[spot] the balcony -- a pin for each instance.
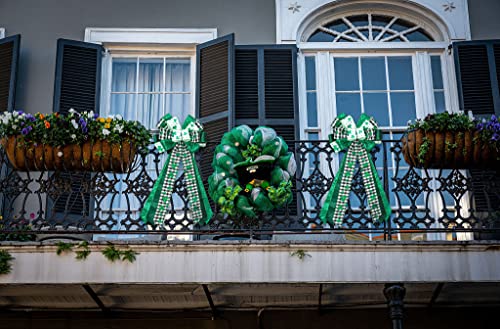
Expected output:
(427, 204)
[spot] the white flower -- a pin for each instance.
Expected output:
(105, 132)
(119, 128)
(73, 136)
(72, 111)
(59, 154)
(118, 117)
(91, 114)
(75, 125)
(14, 127)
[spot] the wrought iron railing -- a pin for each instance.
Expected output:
(445, 203)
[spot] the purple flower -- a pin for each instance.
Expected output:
(85, 130)
(495, 137)
(96, 115)
(20, 112)
(25, 131)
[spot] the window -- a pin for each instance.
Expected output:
(146, 73)
(386, 65)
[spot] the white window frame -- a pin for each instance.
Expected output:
(147, 42)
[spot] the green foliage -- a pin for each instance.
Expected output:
(73, 128)
(129, 255)
(300, 254)
(63, 247)
(445, 121)
(84, 251)
(112, 254)
(5, 262)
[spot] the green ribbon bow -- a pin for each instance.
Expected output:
(358, 139)
(181, 141)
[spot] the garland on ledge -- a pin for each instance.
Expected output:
(357, 140)
(253, 172)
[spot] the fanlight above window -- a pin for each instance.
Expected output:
(369, 28)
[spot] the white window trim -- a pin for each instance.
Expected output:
(147, 42)
(150, 35)
(2, 33)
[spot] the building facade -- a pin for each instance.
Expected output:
(291, 65)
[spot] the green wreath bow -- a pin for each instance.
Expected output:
(182, 142)
(358, 139)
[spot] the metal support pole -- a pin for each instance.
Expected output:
(395, 293)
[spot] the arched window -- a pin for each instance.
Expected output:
(369, 27)
(391, 62)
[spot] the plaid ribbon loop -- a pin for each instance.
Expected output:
(358, 140)
(181, 141)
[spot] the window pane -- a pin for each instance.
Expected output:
(376, 106)
(418, 35)
(338, 25)
(124, 104)
(177, 75)
(320, 36)
(400, 73)
(312, 110)
(349, 104)
(149, 109)
(346, 74)
(310, 73)
(373, 69)
(124, 74)
(440, 102)
(437, 75)
(150, 75)
(178, 105)
(403, 108)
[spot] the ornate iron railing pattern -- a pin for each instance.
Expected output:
(422, 200)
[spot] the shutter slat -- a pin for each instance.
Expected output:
(78, 72)
(474, 78)
(77, 86)
(9, 58)
(246, 84)
(478, 89)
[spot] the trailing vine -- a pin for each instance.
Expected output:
(5, 262)
(111, 253)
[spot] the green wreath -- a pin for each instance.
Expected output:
(253, 172)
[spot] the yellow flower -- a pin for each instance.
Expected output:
(108, 120)
(102, 120)
(107, 126)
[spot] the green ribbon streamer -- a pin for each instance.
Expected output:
(181, 142)
(358, 139)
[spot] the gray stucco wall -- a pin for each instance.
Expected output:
(41, 23)
(484, 19)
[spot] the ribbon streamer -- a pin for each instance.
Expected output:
(182, 142)
(358, 139)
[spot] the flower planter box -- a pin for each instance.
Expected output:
(97, 156)
(450, 150)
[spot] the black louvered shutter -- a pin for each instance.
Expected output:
(266, 91)
(78, 76)
(478, 72)
(9, 58)
(215, 93)
(266, 88)
(77, 86)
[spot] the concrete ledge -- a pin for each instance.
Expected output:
(263, 261)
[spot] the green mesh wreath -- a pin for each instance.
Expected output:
(253, 172)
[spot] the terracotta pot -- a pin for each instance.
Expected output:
(451, 150)
(98, 156)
